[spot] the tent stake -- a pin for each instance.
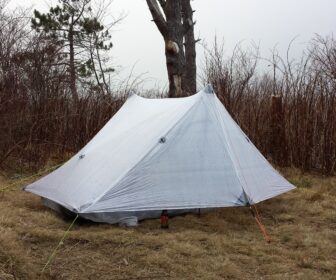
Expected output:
(262, 228)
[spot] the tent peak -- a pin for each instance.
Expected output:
(208, 89)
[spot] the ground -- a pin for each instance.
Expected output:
(222, 244)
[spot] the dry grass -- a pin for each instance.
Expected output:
(223, 244)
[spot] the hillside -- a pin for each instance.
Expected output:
(223, 244)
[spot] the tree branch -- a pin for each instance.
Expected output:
(158, 17)
(163, 4)
(81, 12)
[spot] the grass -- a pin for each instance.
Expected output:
(222, 244)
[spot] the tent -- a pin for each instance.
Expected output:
(177, 154)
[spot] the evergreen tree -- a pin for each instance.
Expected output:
(81, 36)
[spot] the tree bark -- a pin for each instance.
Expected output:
(173, 18)
(174, 47)
(189, 78)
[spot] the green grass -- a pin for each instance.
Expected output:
(301, 182)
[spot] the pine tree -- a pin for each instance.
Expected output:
(82, 38)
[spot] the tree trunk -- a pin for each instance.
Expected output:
(72, 68)
(174, 21)
(189, 78)
(174, 47)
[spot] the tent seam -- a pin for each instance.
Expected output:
(137, 163)
(228, 141)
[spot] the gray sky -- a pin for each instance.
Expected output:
(138, 44)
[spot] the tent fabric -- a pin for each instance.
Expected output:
(163, 154)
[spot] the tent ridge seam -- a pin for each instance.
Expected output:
(232, 157)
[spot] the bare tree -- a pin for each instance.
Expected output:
(174, 19)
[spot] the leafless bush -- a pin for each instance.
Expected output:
(289, 112)
(305, 133)
(37, 117)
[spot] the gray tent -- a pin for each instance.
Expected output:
(163, 154)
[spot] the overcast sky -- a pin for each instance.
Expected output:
(138, 44)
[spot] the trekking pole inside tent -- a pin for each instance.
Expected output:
(257, 217)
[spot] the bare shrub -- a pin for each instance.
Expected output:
(37, 117)
(307, 90)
